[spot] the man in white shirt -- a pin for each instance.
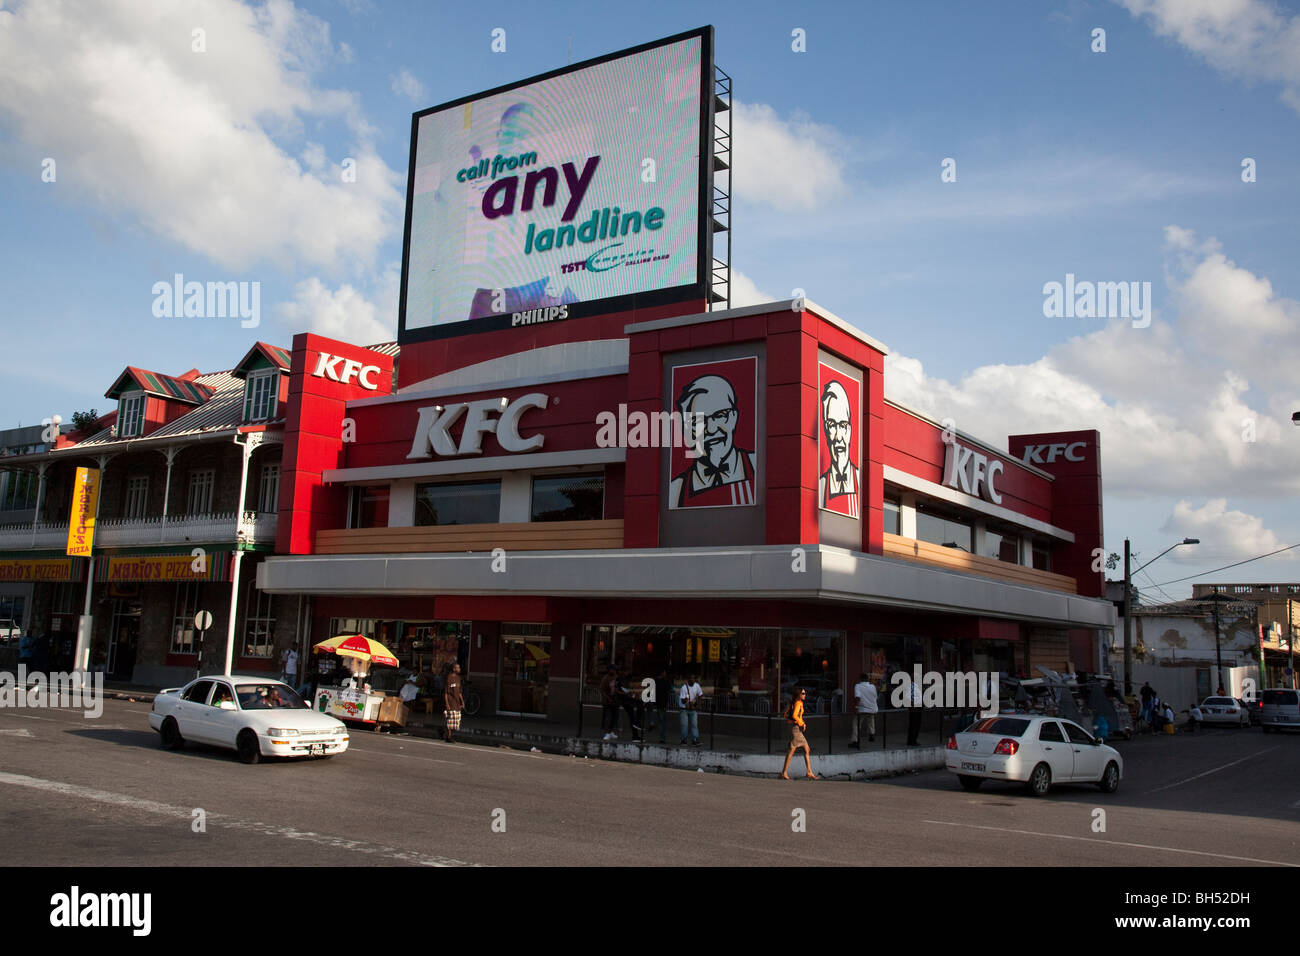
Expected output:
(689, 698)
(864, 693)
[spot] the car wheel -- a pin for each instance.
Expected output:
(970, 783)
(1109, 782)
(171, 735)
(247, 746)
(1040, 781)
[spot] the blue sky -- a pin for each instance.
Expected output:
(1123, 165)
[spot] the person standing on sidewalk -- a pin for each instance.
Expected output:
(659, 712)
(453, 702)
(798, 736)
(690, 699)
(609, 703)
(864, 693)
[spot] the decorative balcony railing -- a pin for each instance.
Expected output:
(253, 527)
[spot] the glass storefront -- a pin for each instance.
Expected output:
(525, 668)
(743, 670)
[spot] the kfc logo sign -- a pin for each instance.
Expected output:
(338, 369)
(433, 430)
(967, 470)
(1034, 453)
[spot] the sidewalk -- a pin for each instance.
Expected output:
(724, 753)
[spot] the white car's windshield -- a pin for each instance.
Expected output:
(269, 696)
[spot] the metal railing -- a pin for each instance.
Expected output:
(253, 527)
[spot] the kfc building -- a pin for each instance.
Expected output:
(533, 502)
(586, 459)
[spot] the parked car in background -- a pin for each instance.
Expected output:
(253, 716)
(1036, 751)
(1224, 710)
(1281, 709)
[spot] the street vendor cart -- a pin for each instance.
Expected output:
(339, 686)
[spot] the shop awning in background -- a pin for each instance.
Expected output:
(43, 569)
(214, 566)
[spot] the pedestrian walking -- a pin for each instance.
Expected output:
(609, 703)
(453, 702)
(629, 702)
(913, 713)
(689, 699)
(798, 738)
(864, 694)
(289, 666)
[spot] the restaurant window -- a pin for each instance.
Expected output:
(1042, 556)
(369, 507)
(569, 498)
(260, 395)
(259, 623)
(1004, 546)
(812, 659)
(11, 609)
(19, 490)
(137, 497)
(942, 527)
(893, 517)
(736, 667)
(886, 654)
(474, 502)
(67, 598)
(201, 486)
(268, 490)
(130, 416)
(184, 636)
(431, 647)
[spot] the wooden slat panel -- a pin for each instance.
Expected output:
(896, 546)
(515, 536)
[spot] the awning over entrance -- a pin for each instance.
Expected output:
(819, 573)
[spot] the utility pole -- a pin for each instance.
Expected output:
(1218, 656)
(1290, 642)
(1128, 628)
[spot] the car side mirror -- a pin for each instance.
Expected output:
(227, 705)
(1096, 742)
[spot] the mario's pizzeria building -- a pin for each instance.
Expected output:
(722, 493)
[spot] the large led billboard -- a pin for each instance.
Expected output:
(581, 191)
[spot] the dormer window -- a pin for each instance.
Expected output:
(261, 392)
(130, 415)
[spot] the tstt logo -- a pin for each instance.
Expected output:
(338, 369)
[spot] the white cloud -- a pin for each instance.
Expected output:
(406, 84)
(790, 164)
(744, 292)
(1224, 535)
(1250, 39)
(1174, 418)
(343, 313)
(200, 146)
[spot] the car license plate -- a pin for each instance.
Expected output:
(316, 749)
(972, 766)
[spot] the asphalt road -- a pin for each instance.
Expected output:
(75, 792)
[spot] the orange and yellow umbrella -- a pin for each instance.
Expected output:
(359, 646)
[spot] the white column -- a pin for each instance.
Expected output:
(40, 497)
(170, 453)
(907, 515)
(251, 441)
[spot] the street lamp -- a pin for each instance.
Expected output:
(1128, 617)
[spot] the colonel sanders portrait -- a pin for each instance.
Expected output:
(722, 474)
(837, 490)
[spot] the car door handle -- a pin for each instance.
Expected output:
(1047, 748)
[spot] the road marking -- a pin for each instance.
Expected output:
(20, 732)
(228, 822)
(27, 716)
(1140, 846)
(1208, 772)
(380, 753)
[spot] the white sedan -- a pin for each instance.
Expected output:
(1224, 710)
(254, 716)
(1037, 751)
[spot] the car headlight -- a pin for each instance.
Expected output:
(283, 732)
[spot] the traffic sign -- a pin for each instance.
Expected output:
(203, 620)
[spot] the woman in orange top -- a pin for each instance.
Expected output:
(797, 738)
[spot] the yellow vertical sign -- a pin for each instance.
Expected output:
(81, 523)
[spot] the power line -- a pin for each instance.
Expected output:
(1227, 566)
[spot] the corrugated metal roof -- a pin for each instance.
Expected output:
(155, 383)
(224, 411)
(386, 348)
